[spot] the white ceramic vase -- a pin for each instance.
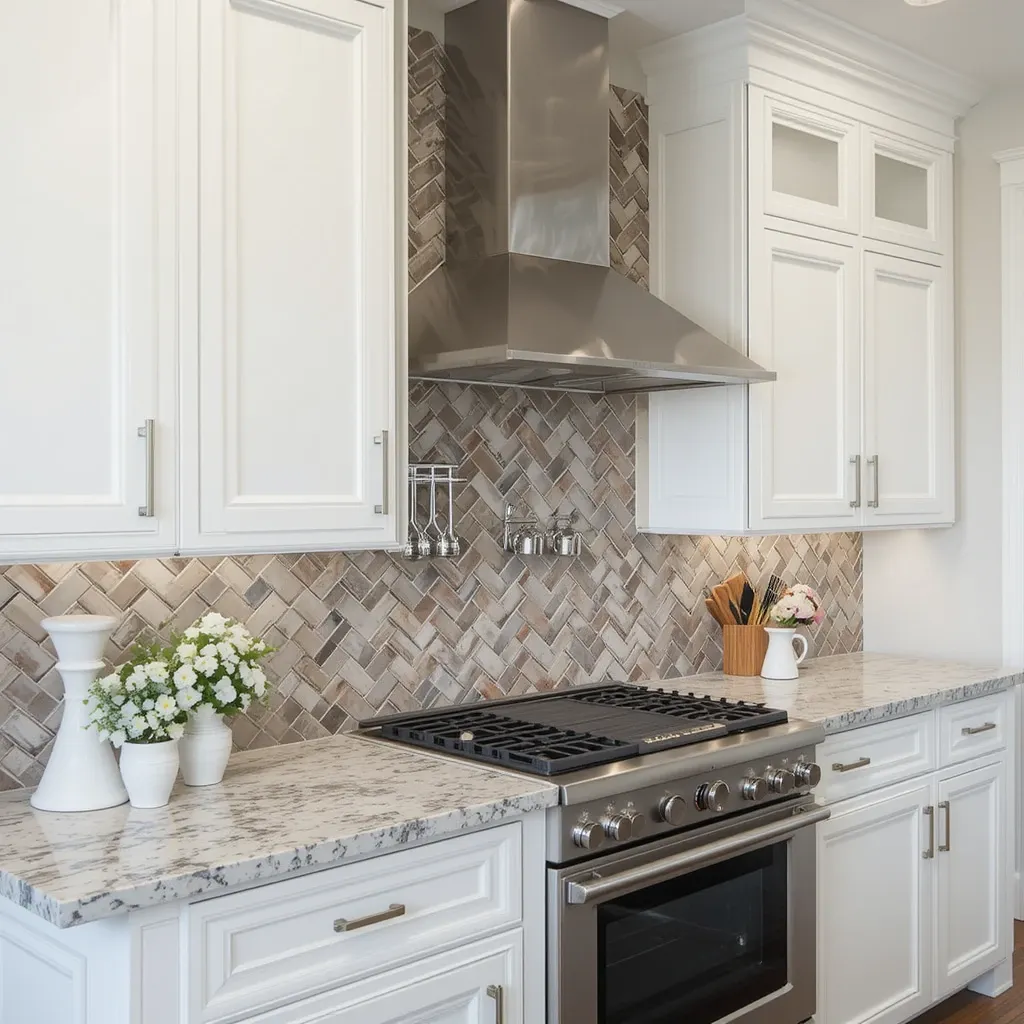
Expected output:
(782, 661)
(149, 771)
(205, 748)
(81, 774)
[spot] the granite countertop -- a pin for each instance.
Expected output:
(851, 690)
(278, 811)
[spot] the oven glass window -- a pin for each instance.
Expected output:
(696, 948)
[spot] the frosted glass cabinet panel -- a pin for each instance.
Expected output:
(904, 188)
(810, 163)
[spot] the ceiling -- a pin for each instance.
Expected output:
(981, 38)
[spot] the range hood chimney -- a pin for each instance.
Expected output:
(526, 296)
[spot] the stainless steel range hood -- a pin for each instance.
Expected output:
(526, 296)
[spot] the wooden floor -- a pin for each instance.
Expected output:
(968, 1008)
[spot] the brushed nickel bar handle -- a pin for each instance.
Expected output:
(873, 463)
(579, 893)
(345, 925)
(497, 993)
(838, 766)
(855, 461)
(944, 805)
(973, 730)
(382, 508)
(929, 813)
(148, 431)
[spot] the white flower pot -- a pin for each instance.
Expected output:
(781, 661)
(205, 748)
(81, 774)
(149, 771)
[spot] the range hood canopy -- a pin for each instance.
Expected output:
(526, 296)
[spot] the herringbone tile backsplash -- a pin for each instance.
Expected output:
(370, 633)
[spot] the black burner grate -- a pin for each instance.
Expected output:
(736, 716)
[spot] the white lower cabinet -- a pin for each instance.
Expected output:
(914, 879)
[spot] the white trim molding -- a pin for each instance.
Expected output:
(1011, 173)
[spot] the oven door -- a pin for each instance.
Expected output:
(708, 926)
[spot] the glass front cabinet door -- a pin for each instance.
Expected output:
(810, 165)
(905, 187)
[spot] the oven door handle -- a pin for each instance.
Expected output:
(659, 870)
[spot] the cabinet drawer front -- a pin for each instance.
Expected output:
(253, 950)
(877, 755)
(973, 728)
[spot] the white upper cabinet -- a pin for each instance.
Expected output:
(907, 192)
(289, 390)
(908, 407)
(805, 426)
(810, 162)
(201, 320)
(813, 175)
(87, 251)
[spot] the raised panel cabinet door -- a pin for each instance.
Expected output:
(803, 163)
(908, 393)
(974, 906)
(875, 907)
(805, 426)
(477, 984)
(87, 275)
(907, 192)
(290, 387)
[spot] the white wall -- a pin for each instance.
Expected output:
(937, 592)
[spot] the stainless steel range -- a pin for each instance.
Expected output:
(681, 857)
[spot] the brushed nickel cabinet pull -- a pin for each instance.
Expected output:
(973, 730)
(873, 463)
(148, 431)
(855, 461)
(838, 766)
(345, 925)
(944, 847)
(382, 508)
(929, 813)
(497, 993)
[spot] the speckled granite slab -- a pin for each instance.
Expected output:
(278, 811)
(852, 690)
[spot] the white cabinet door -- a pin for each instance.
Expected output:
(973, 904)
(908, 393)
(907, 192)
(875, 908)
(87, 276)
(290, 388)
(804, 427)
(803, 163)
(478, 984)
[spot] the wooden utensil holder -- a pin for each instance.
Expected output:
(743, 650)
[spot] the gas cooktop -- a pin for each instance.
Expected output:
(549, 734)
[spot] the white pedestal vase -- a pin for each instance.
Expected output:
(781, 661)
(205, 748)
(149, 771)
(81, 774)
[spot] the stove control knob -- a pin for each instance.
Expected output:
(754, 789)
(807, 773)
(618, 826)
(672, 810)
(712, 796)
(780, 780)
(637, 822)
(589, 835)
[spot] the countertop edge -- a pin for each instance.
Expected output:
(268, 868)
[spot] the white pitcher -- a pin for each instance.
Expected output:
(781, 661)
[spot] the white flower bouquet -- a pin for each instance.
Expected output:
(136, 703)
(798, 606)
(215, 664)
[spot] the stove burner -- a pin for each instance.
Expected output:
(554, 733)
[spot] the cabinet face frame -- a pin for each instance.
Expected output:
(767, 110)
